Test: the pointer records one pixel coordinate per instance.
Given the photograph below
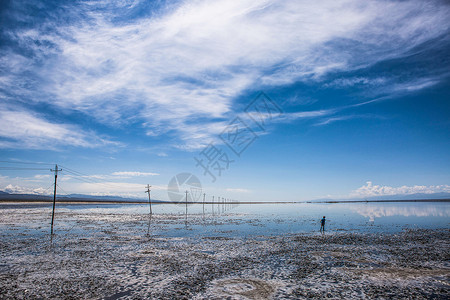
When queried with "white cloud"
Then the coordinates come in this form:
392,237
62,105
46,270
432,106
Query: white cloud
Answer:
370,190
274,117
185,67
40,176
415,85
133,174
377,211
102,178
25,129
15,189
347,82
237,190
332,120
109,188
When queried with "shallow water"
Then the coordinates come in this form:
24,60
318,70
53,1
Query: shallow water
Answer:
226,220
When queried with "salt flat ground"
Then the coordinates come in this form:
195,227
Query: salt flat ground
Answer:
98,255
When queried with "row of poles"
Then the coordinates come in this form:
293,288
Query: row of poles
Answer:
56,170
219,199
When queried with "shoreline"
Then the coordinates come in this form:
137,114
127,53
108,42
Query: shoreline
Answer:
29,201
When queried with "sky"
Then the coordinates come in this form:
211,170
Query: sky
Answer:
253,100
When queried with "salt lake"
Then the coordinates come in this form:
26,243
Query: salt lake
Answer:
225,251
237,220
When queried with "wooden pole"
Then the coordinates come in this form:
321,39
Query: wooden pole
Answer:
149,199
54,195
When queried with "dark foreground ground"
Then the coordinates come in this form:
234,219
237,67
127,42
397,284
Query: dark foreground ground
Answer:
121,263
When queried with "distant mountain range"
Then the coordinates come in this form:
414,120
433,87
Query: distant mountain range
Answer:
69,198
4,196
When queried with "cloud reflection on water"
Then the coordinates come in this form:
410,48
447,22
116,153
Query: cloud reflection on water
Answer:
373,211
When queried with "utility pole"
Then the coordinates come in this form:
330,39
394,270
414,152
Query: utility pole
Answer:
149,199
56,170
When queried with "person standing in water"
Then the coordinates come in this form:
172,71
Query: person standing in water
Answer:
322,224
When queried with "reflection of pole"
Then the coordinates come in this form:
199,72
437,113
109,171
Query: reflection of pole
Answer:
54,195
186,201
204,195
212,205
149,199
149,224
185,213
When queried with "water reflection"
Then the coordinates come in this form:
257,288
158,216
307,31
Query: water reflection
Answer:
373,211
222,218
149,224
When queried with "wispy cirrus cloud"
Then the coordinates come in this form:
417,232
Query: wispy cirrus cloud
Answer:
237,190
343,117
326,121
100,178
358,80
21,128
134,174
178,72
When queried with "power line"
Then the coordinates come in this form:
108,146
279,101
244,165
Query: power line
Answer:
51,185
82,177
62,189
73,174
74,171
86,180
15,168
25,163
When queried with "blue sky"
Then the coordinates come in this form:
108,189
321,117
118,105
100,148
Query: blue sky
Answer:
127,93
